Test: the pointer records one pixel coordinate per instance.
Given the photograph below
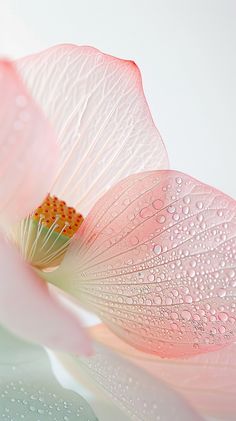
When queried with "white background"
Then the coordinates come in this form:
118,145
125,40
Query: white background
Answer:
185,50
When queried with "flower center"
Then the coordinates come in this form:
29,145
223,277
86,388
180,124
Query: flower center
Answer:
55,213
44,236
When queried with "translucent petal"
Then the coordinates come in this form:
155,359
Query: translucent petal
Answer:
28,389
207,381
28,309
98,109
28,149
138,394
155,260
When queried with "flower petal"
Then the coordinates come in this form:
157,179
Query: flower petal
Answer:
138,394
97,106
155,260
28,389
28,309
27,148
206,381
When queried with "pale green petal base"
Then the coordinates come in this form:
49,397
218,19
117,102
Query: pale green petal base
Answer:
28,389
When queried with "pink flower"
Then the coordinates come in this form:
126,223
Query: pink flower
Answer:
155,255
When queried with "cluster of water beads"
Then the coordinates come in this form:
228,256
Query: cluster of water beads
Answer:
20,404
139,394
160,269
29,390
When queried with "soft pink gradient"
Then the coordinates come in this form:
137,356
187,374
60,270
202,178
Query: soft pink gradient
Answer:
103,124
28,309
104,130
207,381
117,380
28,149
155,260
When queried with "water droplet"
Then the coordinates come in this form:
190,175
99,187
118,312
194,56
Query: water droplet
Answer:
191,273
185,210
222,329
157,249
188,299
129,300
186,200
221,292
161,219
171,209
200,217
175,292
186,315
178,180
41,411
223,317
157,204
176,217
146,213
157,300
199,205
169,301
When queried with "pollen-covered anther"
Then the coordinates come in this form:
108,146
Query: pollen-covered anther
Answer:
55,212
45,236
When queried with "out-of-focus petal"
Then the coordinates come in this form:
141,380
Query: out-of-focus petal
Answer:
29,310
28,149
97,106
155,260
28,389
207,381
138,394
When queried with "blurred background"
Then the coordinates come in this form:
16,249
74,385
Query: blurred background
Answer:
185,50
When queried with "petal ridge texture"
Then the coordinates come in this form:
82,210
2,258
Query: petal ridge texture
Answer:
98,109
28,149
155,260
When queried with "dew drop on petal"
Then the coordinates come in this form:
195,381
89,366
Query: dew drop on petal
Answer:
188,299
178,180
186,315
157,204
221,292
185,210
176,217
223,316
222,329
171,209
161,219
199,205
157,249
191,273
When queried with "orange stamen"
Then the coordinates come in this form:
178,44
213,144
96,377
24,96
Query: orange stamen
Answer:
54,211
